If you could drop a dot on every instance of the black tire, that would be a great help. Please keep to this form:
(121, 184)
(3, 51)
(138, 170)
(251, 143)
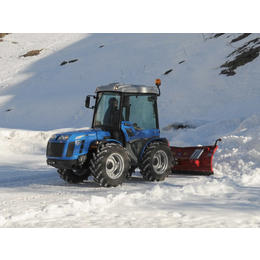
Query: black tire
(156, 162)
(74, 176)
(110, 165)
(131, 171)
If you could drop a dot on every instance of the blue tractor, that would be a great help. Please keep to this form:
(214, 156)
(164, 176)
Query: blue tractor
(124, 136)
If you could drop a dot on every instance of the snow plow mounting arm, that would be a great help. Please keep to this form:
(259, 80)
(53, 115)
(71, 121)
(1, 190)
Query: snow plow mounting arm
(218, 140)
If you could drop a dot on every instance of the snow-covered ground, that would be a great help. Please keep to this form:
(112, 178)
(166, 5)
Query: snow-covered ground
(39, 97)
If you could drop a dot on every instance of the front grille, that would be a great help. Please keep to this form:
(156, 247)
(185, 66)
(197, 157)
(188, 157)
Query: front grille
(55, 149)
(70, 149)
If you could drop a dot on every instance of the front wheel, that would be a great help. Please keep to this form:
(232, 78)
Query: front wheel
(74, 176)
(156, 162)
(110, 165)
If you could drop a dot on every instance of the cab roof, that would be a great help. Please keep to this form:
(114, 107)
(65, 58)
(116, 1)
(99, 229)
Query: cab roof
(127, 88)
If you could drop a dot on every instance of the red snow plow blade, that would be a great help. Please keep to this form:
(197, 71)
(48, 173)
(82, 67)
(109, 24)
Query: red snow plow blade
(193, 160)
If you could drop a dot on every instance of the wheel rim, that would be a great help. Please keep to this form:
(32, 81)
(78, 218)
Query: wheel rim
(114, 165)
(160, 162)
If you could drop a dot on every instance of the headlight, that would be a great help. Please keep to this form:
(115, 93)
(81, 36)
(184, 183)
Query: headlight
(82, 158)
(63, 137)
(78, 142)
(53, 137)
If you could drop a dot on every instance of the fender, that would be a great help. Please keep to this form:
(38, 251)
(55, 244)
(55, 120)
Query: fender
(113, 141)
(164, 140)
(105, 141)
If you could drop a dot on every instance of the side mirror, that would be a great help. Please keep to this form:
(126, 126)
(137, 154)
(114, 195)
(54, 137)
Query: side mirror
(87, 102)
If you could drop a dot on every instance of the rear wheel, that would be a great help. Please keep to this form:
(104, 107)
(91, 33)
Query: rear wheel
(156, 162)
(74, 176)
(110, 165)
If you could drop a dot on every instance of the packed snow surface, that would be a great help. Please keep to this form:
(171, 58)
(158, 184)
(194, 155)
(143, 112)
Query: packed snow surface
(39, 97)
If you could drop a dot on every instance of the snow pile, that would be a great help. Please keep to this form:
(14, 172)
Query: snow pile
(39, 97)
(239, 154)
(129, 207)
(11, 141)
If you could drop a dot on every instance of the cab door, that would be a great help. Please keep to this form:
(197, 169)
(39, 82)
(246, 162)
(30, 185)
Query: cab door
(139, 123)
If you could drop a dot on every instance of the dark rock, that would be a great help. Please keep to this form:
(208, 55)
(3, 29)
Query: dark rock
(167, 72)
(71, 61)
(63, 63)
(32, 53)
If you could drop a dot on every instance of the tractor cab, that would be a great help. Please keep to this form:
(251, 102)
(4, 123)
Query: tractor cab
(129, 113)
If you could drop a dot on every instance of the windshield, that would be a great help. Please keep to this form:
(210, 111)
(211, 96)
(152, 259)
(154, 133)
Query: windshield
(140, 110)
(107, 111)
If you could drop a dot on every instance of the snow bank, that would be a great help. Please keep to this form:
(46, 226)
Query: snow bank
(22, 141)
(239, 154)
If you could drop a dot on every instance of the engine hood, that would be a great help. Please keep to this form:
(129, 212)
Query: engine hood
(90, 133)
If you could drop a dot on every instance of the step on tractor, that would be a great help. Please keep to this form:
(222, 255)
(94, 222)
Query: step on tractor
(124, 136)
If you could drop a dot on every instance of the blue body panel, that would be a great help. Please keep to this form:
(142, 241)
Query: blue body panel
(131, 133)
(78, 142)
(82, 140)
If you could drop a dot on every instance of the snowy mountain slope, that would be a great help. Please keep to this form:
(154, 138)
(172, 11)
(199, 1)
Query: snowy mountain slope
(40, 82)
(39, 97)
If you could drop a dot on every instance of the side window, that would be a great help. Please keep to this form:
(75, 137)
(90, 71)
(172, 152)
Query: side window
(107, 107)
(141, 112)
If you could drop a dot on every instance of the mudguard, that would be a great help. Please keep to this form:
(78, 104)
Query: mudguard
(193, 160)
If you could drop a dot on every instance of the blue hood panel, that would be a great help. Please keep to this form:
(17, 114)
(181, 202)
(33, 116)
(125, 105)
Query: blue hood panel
(78, 143)
(95, 134)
